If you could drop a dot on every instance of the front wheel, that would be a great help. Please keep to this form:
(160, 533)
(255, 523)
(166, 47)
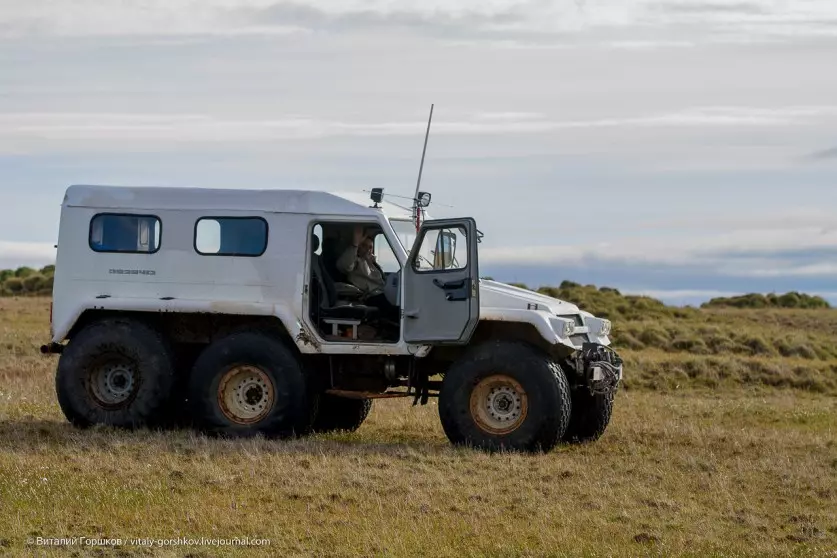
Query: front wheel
(590, 416)
(506, 396)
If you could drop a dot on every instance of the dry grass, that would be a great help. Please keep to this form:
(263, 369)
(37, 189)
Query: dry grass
(697, 472)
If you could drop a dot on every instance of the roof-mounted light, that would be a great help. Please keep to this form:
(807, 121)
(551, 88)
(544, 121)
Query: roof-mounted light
(423, 199)
(377, 195)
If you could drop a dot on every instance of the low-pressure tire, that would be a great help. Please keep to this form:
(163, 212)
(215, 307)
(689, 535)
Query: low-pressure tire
(247, 384)
(341, 413)
(590, 416)
(116, 372)
(505, 396)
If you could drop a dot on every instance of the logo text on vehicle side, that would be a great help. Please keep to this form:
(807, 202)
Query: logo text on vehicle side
(132, 272)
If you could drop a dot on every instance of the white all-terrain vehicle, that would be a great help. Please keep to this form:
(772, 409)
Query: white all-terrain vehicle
(231, 307)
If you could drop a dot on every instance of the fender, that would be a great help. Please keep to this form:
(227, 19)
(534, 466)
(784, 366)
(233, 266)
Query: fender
(541, 320)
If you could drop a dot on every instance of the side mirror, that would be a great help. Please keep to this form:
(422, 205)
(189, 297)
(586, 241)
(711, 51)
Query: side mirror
(445, 250)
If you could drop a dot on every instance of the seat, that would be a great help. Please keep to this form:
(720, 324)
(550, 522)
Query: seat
(329, 259)
(328, 305)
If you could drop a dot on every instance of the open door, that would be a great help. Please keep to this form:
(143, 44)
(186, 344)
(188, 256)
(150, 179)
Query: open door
(441, 294)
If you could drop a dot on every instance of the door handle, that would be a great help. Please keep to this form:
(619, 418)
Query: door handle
(454, 290)
(411, 314)
(448, 285)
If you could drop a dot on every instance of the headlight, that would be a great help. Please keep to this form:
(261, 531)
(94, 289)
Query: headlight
(605, 330)
(562, 327)
(569, 328)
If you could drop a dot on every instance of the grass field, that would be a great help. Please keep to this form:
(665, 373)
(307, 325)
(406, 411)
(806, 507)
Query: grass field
(710, 458)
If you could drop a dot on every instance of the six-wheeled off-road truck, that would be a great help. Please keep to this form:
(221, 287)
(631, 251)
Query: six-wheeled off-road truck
(236, 310)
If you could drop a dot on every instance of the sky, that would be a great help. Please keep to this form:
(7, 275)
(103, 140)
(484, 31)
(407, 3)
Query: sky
(683, 149)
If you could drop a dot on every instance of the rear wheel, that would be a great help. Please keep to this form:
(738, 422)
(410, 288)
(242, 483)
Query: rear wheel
(590, 416)
(505, 396)
(247, 384)
(341, 413)
(117, 372)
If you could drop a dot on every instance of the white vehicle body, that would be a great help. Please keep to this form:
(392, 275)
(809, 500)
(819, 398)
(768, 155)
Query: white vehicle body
(176, 278)
(246, 295)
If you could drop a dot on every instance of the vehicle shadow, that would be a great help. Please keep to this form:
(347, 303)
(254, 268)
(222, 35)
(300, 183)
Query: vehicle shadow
(38, 436)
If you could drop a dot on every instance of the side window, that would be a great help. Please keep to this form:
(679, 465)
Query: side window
(231, 236)
(125, 233)
(442, 249)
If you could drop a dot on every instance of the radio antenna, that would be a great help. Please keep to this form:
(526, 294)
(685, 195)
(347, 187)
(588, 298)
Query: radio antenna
(416, 208)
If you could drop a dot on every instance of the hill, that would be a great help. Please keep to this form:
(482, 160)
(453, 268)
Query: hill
(788, 342)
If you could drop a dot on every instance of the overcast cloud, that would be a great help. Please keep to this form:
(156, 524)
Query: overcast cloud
(683, 149)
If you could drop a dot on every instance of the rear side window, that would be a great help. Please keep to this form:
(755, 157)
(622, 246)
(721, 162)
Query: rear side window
(231, 236)
(125, 233)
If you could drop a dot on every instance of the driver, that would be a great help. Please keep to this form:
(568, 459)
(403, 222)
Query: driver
(358, 263)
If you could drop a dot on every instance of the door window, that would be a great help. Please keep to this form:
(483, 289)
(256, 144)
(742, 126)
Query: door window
(442, 249)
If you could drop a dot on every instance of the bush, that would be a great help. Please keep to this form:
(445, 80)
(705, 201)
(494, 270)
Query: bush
(33, 283)
(24, 272)
(755, 300)
(654, 337)
(692, 345)
(759, 346)
(14, 285)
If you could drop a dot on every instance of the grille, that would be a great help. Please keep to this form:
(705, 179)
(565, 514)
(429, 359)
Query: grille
(576, 318)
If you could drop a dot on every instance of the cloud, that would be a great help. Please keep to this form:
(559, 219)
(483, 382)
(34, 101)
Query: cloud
(68, 129)
(511, 21)
(710, 8)
(755, 253)
(823, 155)
(441, 21)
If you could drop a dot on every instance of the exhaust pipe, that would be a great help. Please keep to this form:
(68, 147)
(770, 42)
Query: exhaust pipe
(52, 349)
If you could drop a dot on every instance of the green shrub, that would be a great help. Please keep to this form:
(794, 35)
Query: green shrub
(759, 346)
(655, 337)
(33, 283)
(14, 285)
(692, 345)
(772, 300)
(627, 340)
(24, 272)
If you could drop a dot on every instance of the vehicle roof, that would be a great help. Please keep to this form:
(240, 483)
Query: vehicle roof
(226, 199)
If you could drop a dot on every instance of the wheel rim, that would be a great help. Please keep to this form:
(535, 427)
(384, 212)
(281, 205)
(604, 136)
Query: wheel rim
(114, 383)
(245, 394)
(499, 404)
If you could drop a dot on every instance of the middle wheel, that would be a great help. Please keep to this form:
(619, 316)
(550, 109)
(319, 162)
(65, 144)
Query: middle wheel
(247, 384)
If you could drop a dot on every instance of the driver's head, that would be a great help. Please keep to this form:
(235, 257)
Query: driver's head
(365, 247)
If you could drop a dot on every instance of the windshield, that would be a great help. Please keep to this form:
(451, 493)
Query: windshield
(405, 230)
